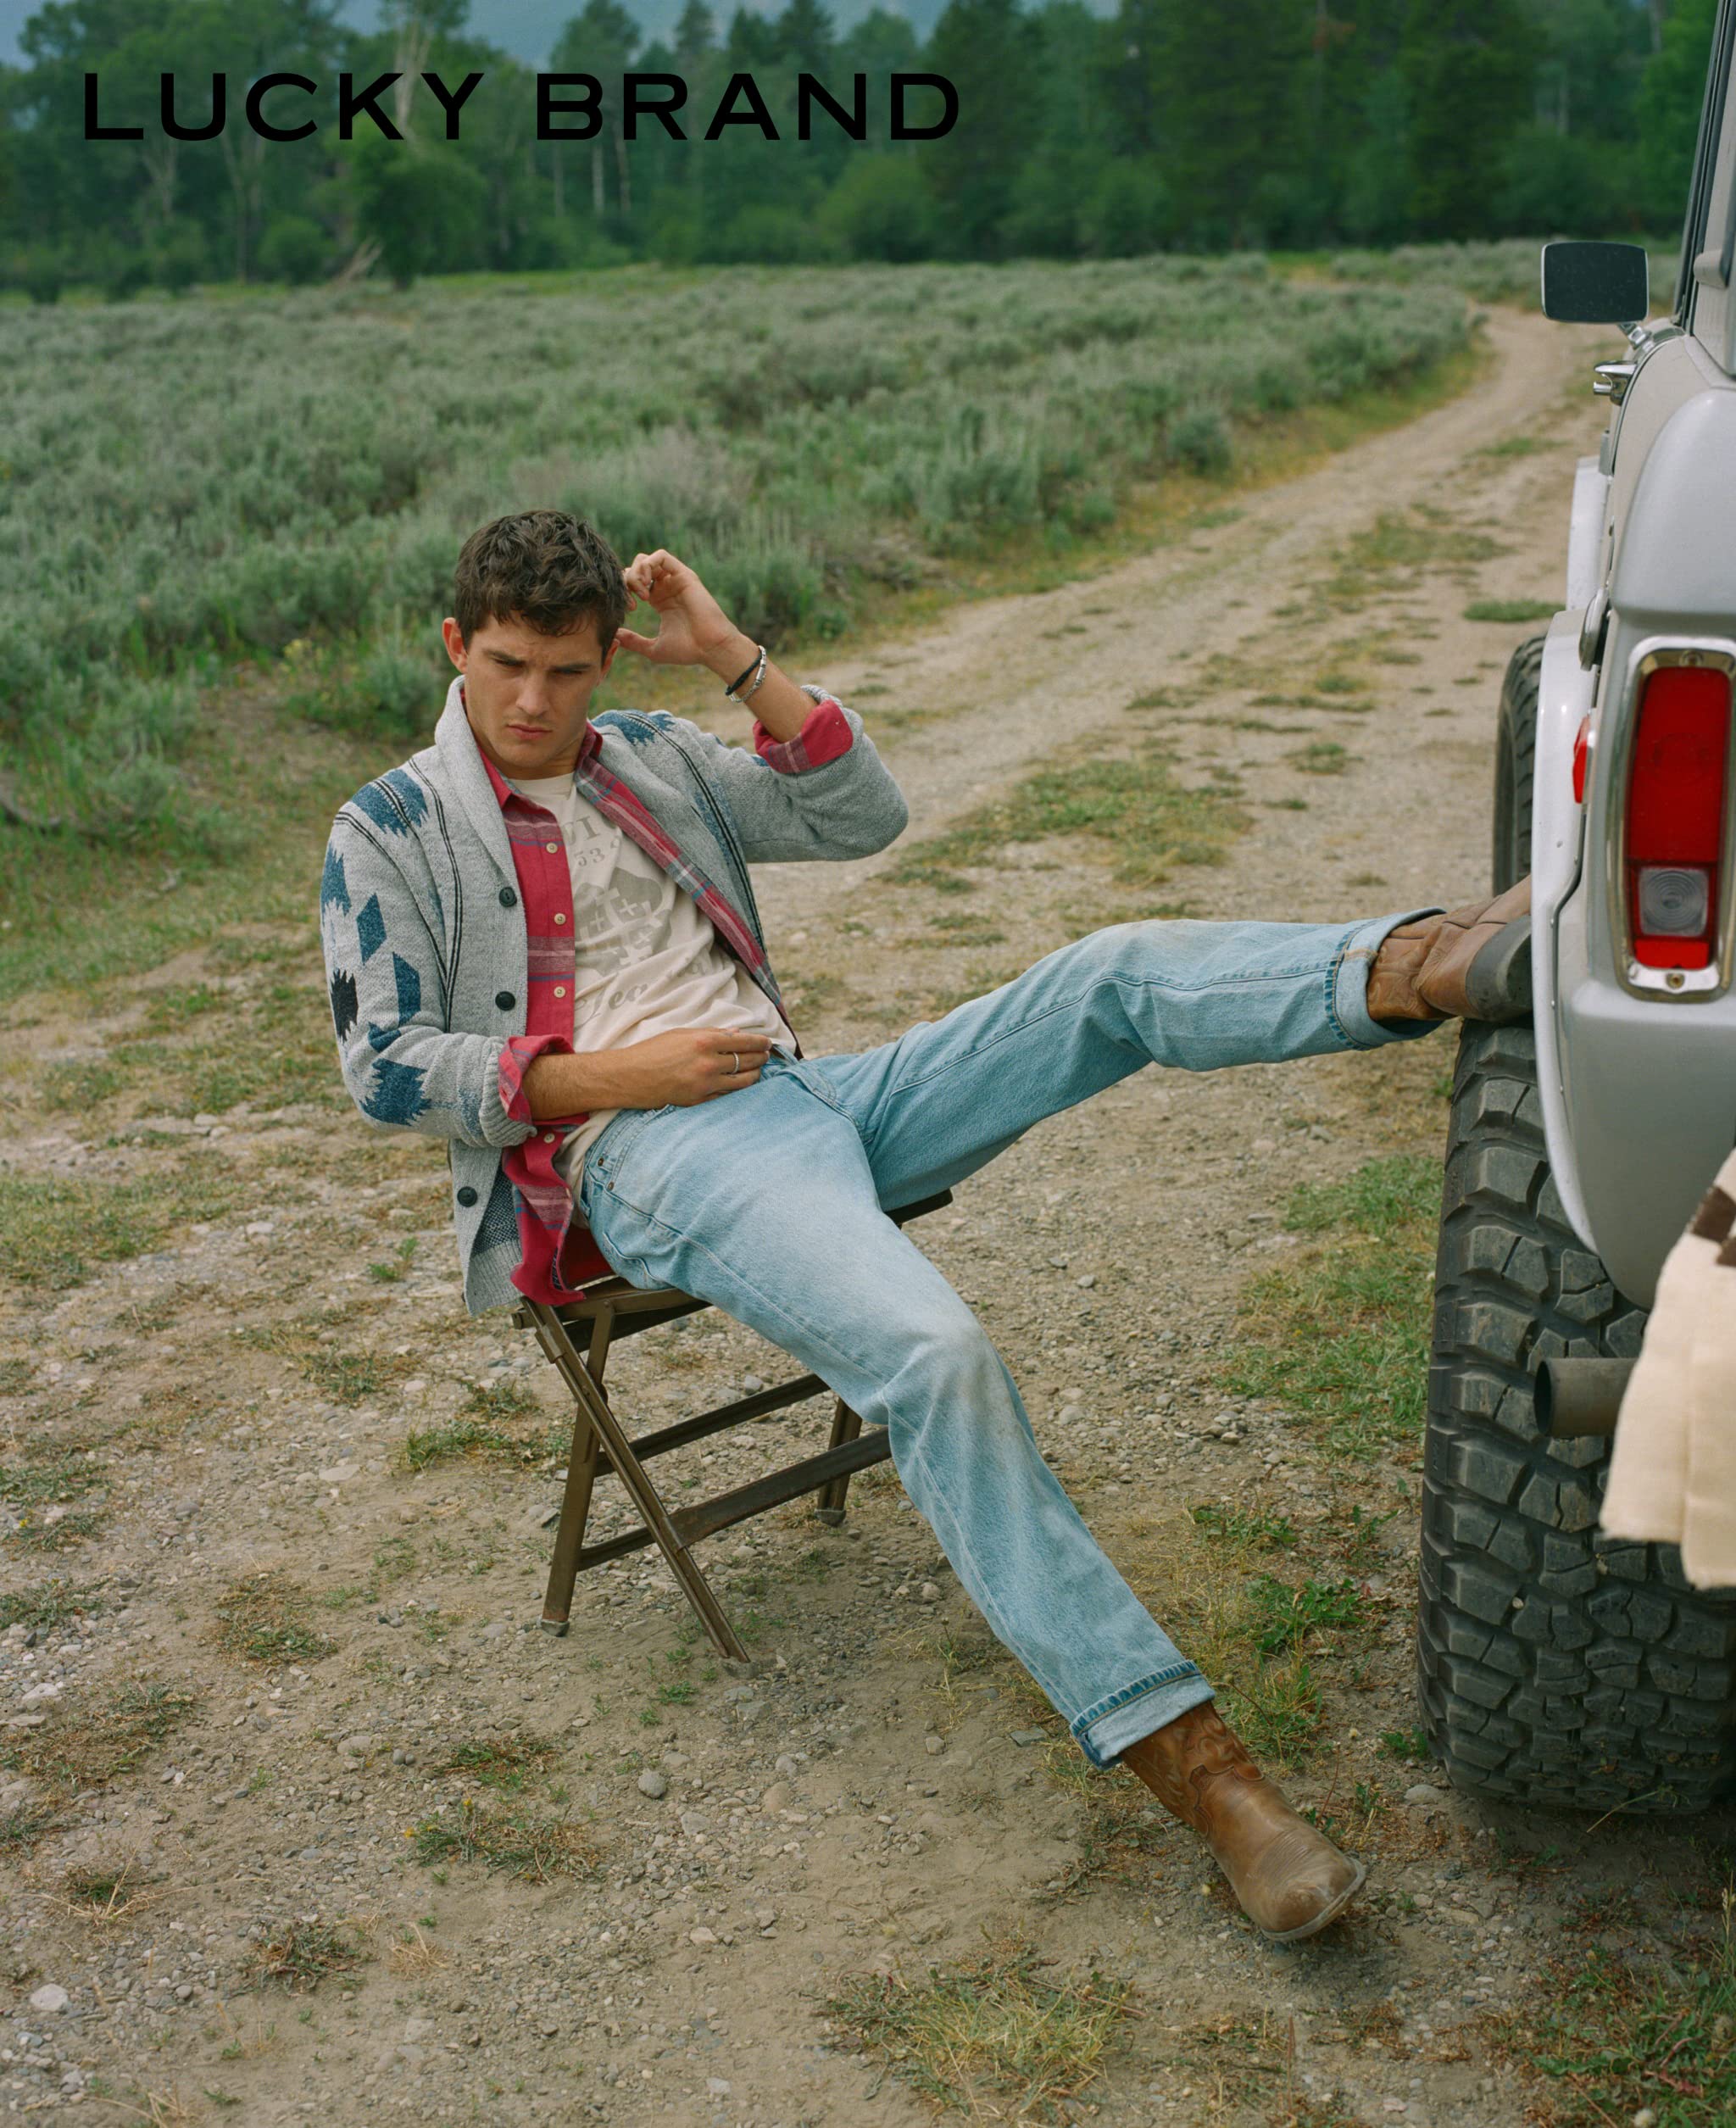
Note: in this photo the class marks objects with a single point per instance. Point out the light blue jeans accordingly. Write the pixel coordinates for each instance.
(770, 1203)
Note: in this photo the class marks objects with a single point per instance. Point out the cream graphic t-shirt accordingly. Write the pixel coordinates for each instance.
(647, 959)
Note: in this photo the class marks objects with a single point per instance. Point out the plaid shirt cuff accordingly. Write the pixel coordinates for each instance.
(823, 737)
(516, 1058)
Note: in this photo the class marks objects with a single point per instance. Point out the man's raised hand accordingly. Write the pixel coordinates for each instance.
(692, 628)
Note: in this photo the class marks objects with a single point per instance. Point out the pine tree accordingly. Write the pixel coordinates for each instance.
(695, 34)
(1469, 66)
(1224, 88)
(990, 53)
(805, 35)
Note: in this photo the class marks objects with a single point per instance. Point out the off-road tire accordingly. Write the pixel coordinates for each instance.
(1515, 760)
(1556, 1665)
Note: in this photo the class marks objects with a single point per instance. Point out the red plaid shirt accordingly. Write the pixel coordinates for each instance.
(557, 1256)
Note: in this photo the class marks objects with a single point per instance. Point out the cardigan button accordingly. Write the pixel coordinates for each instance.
(505, 1000)
(467, 1196)
(509, 898)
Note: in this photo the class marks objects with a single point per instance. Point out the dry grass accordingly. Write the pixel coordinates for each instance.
(535, 1850)
(86, 1745)
(306, 1953)
(1002, 2036)
(499, 1761)
(100, 1895)
(264, 1619)
(415, 1957)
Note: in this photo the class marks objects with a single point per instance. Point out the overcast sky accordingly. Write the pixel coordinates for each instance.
(528, 28)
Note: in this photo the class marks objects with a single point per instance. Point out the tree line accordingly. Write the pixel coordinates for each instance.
(1166, 125)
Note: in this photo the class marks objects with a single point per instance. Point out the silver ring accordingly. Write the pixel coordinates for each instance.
(735, 1058)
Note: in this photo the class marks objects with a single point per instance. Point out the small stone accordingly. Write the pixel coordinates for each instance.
(539, 1517)
(776, 1797)
(786, 1765)
(701, 1936)
(496, 1630)
(764, 1917)
(694, 1825)
(357, 1746)
(419, 2028)
(751, 1385)
(1026, 1735)
(654, 1784)
(934, 1746)
(1088, 1281)
(1645, 2118)
(929, 1593)
(1072, 1414)
(1422, 1796)
(715, 2086)
(49, 2000)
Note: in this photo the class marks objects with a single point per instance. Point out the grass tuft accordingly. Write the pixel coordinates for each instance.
(1604, 2040)
(264, 1619)
(1510, 609)
(1340, 1336)
(535, 1850)
(56, 1231)
(993, 2029)
(82, 1747)
(306, 1953)
(50, 1605)
(1149, 822)
(499, 1761)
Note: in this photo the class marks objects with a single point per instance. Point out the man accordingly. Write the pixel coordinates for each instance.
(544, 947)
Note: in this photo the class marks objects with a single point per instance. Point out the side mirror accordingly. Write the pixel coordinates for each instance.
(1595, 284)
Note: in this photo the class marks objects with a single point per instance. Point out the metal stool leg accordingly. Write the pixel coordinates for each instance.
(846, 1425)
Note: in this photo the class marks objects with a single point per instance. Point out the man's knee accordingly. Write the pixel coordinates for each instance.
(947, 1366)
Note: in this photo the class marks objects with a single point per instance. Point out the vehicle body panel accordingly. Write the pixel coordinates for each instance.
(1638, 1083)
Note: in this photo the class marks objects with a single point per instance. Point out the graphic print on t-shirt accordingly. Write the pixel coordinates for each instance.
(626, 942)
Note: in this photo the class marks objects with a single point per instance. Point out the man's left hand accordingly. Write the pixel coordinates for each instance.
(692, 628)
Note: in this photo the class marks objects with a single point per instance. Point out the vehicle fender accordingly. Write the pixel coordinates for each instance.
(1557, 829)
(1585, 531)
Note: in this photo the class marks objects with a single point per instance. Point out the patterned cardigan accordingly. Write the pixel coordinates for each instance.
(439, 996)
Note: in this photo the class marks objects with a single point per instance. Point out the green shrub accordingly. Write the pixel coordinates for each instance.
(295, 249)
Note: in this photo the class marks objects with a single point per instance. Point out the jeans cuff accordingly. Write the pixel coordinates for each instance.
(1347, 983)
(1104, 1731)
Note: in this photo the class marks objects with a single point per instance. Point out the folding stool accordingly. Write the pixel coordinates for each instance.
(577, 1336)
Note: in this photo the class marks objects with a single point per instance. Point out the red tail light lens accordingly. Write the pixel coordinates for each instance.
(1675, 807)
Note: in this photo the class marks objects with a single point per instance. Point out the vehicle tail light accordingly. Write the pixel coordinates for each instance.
(1677, 798)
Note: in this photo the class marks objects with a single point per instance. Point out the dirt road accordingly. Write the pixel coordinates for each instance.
(307, 1771)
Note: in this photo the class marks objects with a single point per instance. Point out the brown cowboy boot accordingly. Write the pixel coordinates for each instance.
(1473, 963)
(1290, 1880)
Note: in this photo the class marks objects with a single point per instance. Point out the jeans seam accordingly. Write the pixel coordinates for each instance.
(1119, 979)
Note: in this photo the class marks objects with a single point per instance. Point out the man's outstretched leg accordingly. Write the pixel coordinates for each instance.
(936, 1104)
(768, 1203)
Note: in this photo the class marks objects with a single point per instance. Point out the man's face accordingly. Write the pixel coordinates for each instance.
(528, 694)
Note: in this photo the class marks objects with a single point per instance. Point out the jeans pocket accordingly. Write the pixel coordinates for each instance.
(612, 1147)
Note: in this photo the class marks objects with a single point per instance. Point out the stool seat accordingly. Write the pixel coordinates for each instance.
(577, 1336)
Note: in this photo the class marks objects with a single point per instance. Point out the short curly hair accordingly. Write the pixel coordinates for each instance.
(545, 567)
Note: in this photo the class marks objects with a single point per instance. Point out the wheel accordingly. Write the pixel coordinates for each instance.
(1555, 1666)
(1516, 758)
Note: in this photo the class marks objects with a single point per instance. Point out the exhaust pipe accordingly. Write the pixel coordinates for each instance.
(1579, 1397)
